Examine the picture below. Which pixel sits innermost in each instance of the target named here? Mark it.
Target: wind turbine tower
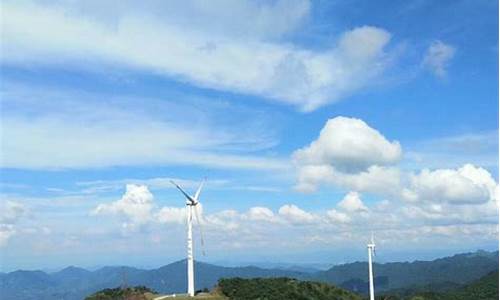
(191, 208)
(371, 251)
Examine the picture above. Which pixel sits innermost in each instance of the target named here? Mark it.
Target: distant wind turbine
(371, 250)
(192, 208)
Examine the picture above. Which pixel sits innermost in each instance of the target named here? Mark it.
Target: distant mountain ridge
(75, 283)
(459, 269)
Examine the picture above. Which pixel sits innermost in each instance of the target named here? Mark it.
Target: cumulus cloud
(295, 215)
(347, 153)
(337, 216)
(6, 232)
(346, 221)
(11, 212)
(172, 215)
(349, 145)
(226, 220)
(352, 203)
(197, 51)
(466, 185)
(440, 196)
(438, 57)
(259, 213)
(135, 206)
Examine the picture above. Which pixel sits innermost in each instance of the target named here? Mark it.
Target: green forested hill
(130, 293)
(486, 288)
(281, 289)
(483, 289)
(284, 288)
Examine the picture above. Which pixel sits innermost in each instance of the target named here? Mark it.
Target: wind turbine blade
(182, 191)
(197, 194)
(197, 215)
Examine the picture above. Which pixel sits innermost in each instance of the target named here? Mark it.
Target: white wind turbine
(371, 250)
(192, 207)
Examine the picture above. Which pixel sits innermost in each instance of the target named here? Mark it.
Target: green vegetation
(129, 293)
(281, 289)
(485, 288)
(284, 288)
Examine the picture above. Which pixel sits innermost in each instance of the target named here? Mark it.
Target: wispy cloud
(211, 50)
(47, 129)
(99, 186)
(438, 57)
(480, 148)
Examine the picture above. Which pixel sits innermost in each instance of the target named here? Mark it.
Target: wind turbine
(371, 250)
(192, 208)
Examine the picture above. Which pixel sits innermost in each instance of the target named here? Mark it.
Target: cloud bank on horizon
(308, 126)
(444, 198)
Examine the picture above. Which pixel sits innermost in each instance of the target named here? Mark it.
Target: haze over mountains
(76, 283)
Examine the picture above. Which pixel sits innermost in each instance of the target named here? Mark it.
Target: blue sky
(315, 122)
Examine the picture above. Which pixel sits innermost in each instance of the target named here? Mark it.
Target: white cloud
(349, 144)
(6, 232)
(350, 154)
(337, 216)
(98, 186)
(392, 220)
(360, 159)
(466, 185)
(376, 179)
(226, 220)
(310, 176)
(259, 213)
(172, 215)
(478, 148)
(46, 129)
(135, 205)
(437, 58)
(11, 212)
(255, 19)
(468, 143)
(295, 215)
(439, 197)
(352, 203)
(196, 51)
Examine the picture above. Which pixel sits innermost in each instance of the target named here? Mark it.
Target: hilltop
(280, 288)
(129, 293)
(486, 288)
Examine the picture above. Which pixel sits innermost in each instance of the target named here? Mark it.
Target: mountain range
(76, 283)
